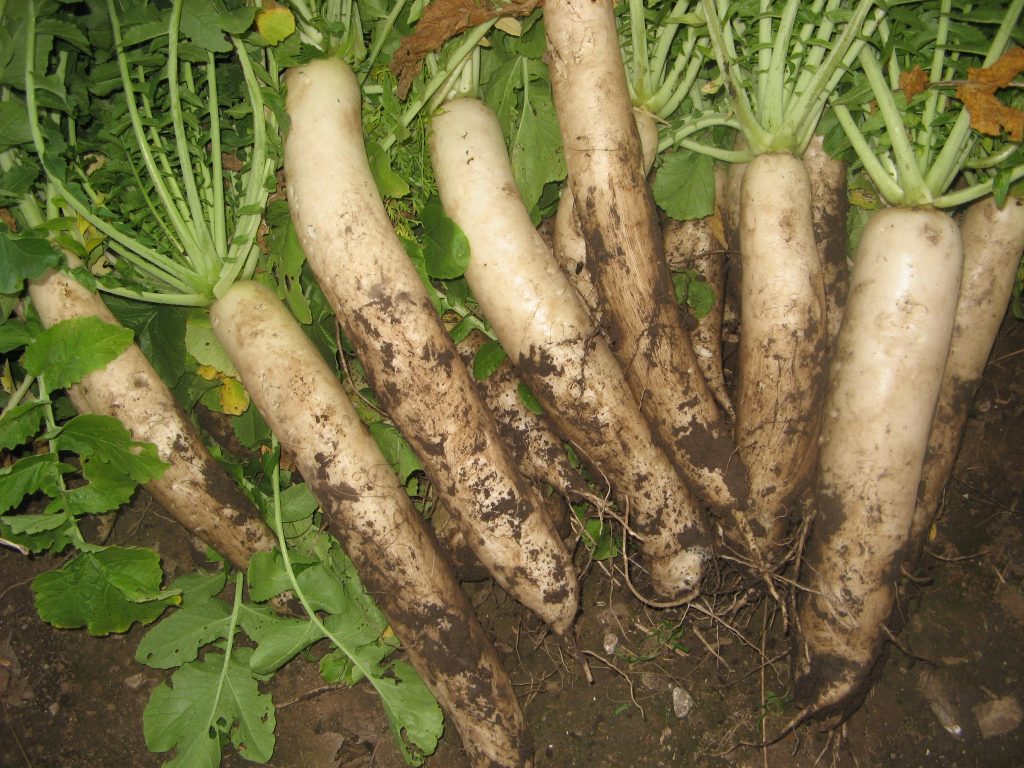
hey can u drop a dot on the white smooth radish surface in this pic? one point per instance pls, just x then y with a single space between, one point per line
369 512
993 240
883 384
410 360
194 489
550 338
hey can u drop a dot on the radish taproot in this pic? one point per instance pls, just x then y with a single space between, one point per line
194 489
782 301
625 251
556 349
410 359
369 512
699 245
782 342
883 383
535 446
993 239
887 365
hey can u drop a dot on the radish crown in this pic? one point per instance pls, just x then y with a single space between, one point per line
917 142
779 67
179 181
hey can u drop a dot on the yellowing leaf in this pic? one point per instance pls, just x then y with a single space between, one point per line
988 114
275 23
234 400
208 372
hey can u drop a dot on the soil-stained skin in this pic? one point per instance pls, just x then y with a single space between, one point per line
619 224
369 512
410 360
193 489
883 385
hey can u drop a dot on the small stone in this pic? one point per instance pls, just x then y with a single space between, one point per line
611 642
998 716
666 734
135 681
682 702
53 709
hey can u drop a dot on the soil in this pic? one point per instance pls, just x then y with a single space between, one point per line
71 701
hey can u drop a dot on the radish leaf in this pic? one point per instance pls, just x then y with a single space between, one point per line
27 476
105 591
684 186
488 359
177 639
105 439
70 349
24 258
446 248
19 424
159 332
181 717
396 449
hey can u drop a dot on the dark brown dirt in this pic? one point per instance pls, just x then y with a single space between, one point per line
71 701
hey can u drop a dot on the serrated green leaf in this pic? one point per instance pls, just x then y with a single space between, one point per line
202 344
73 348
14 126
323 591
488 359
24 258
267 576
297 503
29 525
201 23
19 424
694 292
445 245
177 639
105 439
27 476
108 488
280 641
413 713
684 186
182 717
250 427
106 591
396 449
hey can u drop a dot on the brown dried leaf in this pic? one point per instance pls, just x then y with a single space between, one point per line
989 115
441 21
913 82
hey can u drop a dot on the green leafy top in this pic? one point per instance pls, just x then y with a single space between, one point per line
916 140
175 159
778 66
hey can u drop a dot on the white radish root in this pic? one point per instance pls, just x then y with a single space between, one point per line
993 239
194 489
410 360
625 250
883 384
782 344
551 339
369 512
